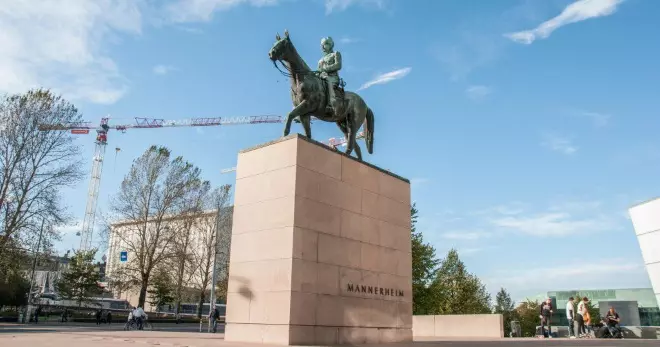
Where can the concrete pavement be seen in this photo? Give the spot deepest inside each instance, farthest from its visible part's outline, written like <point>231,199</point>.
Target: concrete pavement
<point>12,335</point>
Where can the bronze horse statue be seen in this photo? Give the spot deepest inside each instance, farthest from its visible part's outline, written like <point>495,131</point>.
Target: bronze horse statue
<point>309,96</point>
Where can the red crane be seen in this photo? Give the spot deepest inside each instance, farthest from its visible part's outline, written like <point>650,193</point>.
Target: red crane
<point>140,123</point>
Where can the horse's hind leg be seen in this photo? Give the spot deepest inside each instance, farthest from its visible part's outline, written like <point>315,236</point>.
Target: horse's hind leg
<point>306,125</point>
<point>358,151</point>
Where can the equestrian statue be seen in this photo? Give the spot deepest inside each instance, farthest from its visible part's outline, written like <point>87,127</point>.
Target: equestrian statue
<point>321,94</point>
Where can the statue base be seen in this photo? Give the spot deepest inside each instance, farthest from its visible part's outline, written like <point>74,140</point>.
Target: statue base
<point>320,251</point>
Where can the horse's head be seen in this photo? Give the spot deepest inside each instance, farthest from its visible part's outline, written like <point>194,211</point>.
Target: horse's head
<point>281,47</point>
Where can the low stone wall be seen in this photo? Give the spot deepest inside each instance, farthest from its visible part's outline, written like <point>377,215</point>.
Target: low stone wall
<point>470,325</point>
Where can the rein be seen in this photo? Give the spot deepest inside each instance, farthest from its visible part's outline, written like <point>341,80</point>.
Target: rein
<point>290,73</point>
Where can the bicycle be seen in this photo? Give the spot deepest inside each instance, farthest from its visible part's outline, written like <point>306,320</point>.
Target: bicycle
<point>132,325</point>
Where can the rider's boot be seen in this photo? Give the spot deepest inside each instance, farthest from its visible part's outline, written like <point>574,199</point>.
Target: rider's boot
<point>329,105</point>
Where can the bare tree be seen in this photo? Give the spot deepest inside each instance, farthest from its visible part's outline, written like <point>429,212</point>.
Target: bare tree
<point>211,242</point>
<point>35,164</point>
<point>192,210</point>
<point>151,195</point>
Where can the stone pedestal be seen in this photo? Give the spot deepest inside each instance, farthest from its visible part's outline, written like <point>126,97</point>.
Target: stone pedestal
<point>320,251</point>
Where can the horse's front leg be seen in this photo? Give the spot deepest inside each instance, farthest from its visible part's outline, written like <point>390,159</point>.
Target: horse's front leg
<point>298,111</point>
<point>306,123</point>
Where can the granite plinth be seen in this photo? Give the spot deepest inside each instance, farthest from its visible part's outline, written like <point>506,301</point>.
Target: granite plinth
<point>320,249</point>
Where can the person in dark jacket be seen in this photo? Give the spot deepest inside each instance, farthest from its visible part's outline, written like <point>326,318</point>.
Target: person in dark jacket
<point>546,314</point>
<point>214,315</point>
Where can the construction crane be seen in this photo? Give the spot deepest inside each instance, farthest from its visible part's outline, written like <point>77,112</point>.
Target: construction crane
<point>332,142</point>
<point>140,123</point>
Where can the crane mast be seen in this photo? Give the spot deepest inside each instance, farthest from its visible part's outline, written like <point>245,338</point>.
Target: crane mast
<point>93,191</point>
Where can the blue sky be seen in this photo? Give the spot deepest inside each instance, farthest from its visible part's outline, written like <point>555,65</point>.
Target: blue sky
<point>527,127</point>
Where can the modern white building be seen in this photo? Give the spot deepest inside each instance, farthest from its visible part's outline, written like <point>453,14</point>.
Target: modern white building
<point>646,221</point>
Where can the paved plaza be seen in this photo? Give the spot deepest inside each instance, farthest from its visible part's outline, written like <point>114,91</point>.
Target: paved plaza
<point>187,335</point>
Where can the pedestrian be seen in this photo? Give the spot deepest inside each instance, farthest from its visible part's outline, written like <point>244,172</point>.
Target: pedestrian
<point>37,312</point>
<point>108,318</point>
<point>570,314</point>
<point>214,315</point>
<point>98,317</point>
<point>582,313</point>
<point>546,315</point>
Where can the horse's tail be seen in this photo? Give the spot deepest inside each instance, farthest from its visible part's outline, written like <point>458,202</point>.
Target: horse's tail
<point>369,131</point>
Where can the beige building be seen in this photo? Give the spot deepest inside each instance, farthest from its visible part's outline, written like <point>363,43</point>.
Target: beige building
<point>181,239</point>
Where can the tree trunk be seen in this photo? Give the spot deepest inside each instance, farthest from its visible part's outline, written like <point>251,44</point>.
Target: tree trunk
<point>143,294</point>
<point>202,298</point>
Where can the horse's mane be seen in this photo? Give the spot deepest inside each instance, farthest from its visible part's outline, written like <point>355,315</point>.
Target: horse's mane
<point>300,61</point>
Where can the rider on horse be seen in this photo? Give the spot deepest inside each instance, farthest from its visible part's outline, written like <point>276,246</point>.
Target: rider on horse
<point>329,67</point>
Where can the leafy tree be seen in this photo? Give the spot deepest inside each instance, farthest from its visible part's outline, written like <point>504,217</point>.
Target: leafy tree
<point>14,286</point>
<point>80,282</point>
<point>424,266</point>
<point>456,291</point>
<point>527,313</point>
<point>504,306</point>
<point>161,289</point>
<point>35,165</point>
<point>154,190</point>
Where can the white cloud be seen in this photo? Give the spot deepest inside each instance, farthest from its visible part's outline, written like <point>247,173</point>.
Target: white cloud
<point>163,69</point>
<point>182,11</point>
<point>549,224</point>
<point>341,5</point>
<point>348,40</point>
<point>465,235</point>
<point>573,13</point>
<point>559,144</point>
<point>58,45</point>
<point>569,217</point>
<point>387,77</point>
<point>478,92</point>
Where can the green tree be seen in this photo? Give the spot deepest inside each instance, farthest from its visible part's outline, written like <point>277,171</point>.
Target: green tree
<point>527,313</point>
<point>456,291</point>
<point>80,282</point>
<point>504,306</point>
<point>162,288</point>
<point>424,266</point>
<point>14,286</point>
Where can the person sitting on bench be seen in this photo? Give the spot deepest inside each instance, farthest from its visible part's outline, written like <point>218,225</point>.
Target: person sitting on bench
<point>612,319</point>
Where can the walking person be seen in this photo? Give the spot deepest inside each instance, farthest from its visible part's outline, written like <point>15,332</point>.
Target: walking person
<point>581,313</point>
<point>98,317</point>
<point>570,314</point>
<point>214,315</point>
<point>37,312</point>
<point>546,315</point>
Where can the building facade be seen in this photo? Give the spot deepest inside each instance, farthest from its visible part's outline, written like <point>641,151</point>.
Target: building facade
<point>645,218</point>
<point>637,306</point>
<point>127,236</point>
